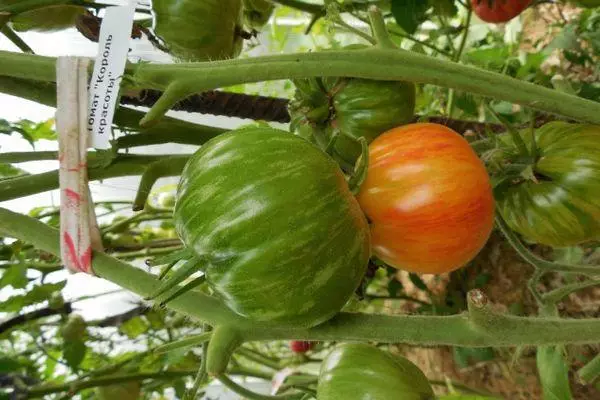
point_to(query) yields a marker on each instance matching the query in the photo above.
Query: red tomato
(428, 197)
(499, 10)
(300, 346)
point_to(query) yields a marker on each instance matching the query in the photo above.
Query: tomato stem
(379, 29)
(171, 166)
(537, 262)
(248, 394)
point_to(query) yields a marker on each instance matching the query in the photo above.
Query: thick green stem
(484, 328)
(372, 63)
(123, 165)
(181, 80)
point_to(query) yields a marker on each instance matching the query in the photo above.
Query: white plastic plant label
(113, 46)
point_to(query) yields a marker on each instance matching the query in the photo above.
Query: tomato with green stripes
(272, 219)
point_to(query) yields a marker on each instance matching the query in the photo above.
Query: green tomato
(199, 30)
(122, 391)
(561, 206)
(257, 13)
(352, 108)
(271, 216)
(363, 372)
(47, 19)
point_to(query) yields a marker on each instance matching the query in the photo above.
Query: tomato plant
(428, 198)
(296, 244)
(360, 371)
(498, 11)
(262, 251)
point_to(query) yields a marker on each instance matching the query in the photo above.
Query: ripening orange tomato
(428, 198)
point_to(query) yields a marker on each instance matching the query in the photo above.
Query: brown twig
(33, 315)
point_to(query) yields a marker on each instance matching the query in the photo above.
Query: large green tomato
(561, 205)
(195, 30)
(352, 108)
(271, 216)
(363, 372)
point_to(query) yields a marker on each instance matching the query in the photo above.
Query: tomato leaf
(8, 365)
(29, 130)
(74, 353)
(554, 373)
(36, 295)
(134, 327)
(418, 282)
(409, 14)
(15, 276)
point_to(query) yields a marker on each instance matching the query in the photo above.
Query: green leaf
(74, 353)
(15, 276)
(31, 131)
(37, 130)
(492, 58)
(466, 102)
(37, 294)
(8, 171)
(8, 365)
(394, 287)
(568, 255)
(467, 356)
(565, 40)
(409, 14)
(134, 327)
(418, 282)
(554, 373)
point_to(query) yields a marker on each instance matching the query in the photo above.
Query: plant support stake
(78, 225)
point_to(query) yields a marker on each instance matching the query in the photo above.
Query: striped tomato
(428, 197)
(271, 216)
